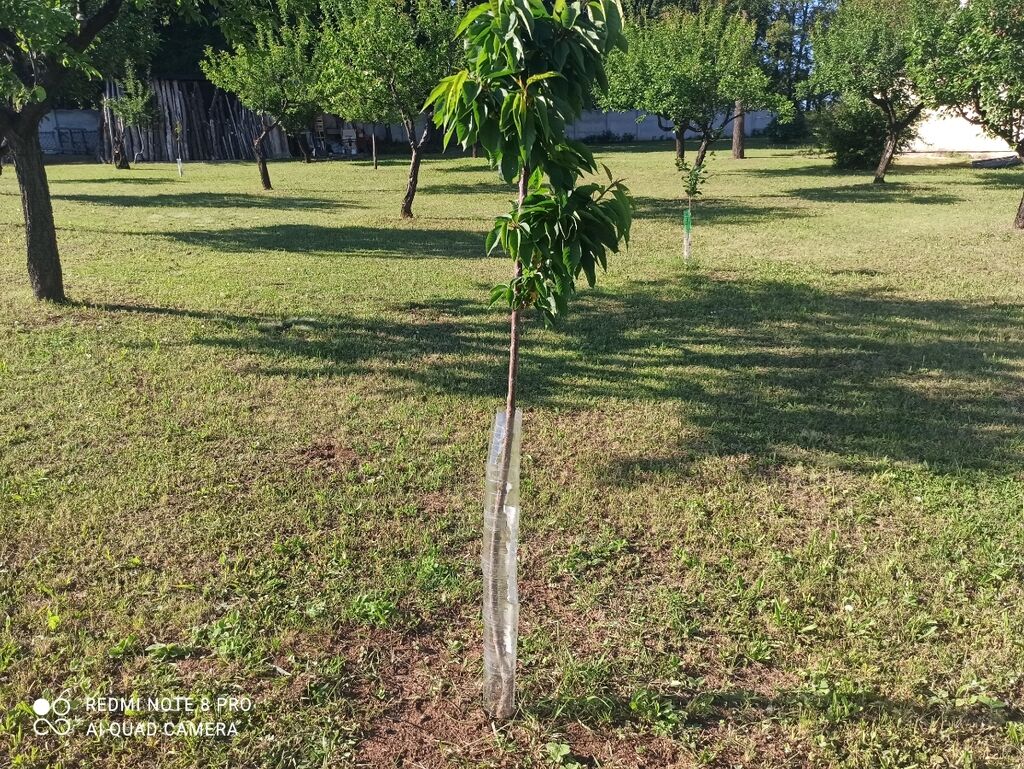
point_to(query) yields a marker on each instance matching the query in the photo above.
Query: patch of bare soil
(327, 456)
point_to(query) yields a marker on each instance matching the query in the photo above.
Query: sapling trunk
(500, 642)
(373, 145)
(687, 229)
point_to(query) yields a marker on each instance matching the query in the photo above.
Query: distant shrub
(608, 137)
(795, 131)
(853, 133)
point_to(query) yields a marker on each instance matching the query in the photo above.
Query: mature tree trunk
(739, 138)
(261, 160)
(888, 153)
(679, 134)
(702, 151)
(303, 145)
(414, 180)
(44, 272)
(416, 147)
(120, 155)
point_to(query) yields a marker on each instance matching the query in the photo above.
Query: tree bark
(702, 151)
(302, 144)
(739, 138)
(120, 155)
(679, 134)
(416, 147)
(261, 160)
(414, 180)
(888, 153)
(44, 270)
(1019, 221)
(373, 145)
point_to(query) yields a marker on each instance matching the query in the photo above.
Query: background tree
(274, 74)
(690, 69)
(382, 58)
(46, 50)
(783, 43)
(972, 62)
(863, 53)
(529, 70)
(133, 107)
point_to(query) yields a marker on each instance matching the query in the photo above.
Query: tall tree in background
(690, 69)
(381, 60)
(47, 49)
(864, 53)
(784, 50)
(972, 62)
(274, 74)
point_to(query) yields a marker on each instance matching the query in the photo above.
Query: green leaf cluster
(275, 71)
(864, 51)
(690, 68)
(381, 58)
(530, 66)
(972, 60)
(556, 237)
(135, 106)
(529, 73)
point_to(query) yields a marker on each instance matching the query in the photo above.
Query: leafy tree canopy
(383, 57)
(54, 53)
(972, 61)
(275, 72)
(864, 51)
(690, 68)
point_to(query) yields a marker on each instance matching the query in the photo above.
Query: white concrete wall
(952, 133)
(594, 123)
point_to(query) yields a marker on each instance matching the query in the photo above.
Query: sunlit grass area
(771, 507)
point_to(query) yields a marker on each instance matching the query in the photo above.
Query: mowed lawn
(772, 503)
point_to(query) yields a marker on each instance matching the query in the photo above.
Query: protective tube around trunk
(498, 558)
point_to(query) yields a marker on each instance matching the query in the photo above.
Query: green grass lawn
(772, 502)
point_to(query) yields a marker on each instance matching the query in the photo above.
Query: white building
(945, 132)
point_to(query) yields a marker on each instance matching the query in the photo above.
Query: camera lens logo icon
(52, 716)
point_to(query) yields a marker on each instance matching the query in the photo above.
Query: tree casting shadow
(207, 200)
(711, 211)
(762, 369)
(890, 192)
(399, 242)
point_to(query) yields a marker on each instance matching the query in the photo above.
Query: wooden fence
(194, 118)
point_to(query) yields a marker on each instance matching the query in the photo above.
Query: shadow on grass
(744, 706)
(398, 242)
(824, 169)
(276, 201)
(133, 179)
(711, 211)
(764, 369)
(890, 192)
